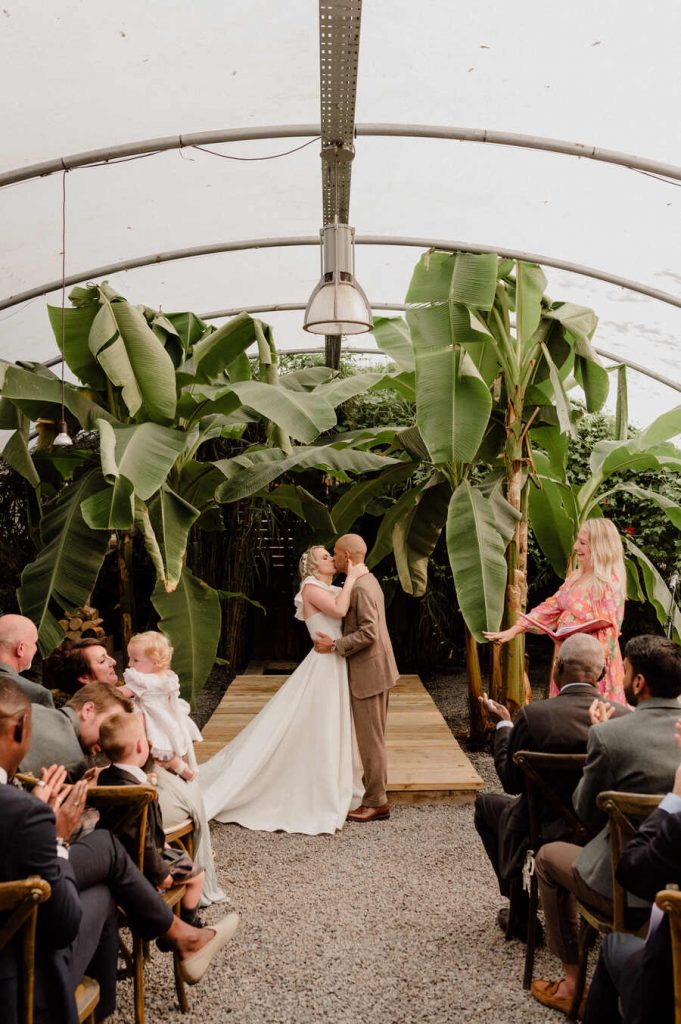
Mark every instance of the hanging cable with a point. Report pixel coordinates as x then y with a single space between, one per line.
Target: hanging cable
248 159
62 440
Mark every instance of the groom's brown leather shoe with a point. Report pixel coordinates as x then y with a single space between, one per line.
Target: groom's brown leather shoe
369 813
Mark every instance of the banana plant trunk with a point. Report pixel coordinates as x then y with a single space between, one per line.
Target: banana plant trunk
126 595
475 687
516 557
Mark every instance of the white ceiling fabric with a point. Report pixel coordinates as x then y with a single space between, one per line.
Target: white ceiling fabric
83 74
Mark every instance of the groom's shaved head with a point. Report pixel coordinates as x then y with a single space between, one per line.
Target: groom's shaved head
353 545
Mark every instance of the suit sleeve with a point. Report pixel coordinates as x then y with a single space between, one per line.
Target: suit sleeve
506 742
596 777
650 860
116 820
367 628
60 915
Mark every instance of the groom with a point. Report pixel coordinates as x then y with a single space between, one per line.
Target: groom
372 671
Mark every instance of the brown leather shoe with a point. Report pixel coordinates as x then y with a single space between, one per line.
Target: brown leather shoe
369 813
545 993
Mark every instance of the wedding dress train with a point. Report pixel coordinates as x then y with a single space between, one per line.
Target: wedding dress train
295 767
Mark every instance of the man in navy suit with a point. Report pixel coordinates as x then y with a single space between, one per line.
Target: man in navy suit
77 927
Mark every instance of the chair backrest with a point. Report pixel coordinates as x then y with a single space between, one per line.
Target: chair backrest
132 802
669 900
625 811
20 900
541 770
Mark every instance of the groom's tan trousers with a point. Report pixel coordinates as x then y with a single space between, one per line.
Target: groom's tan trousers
370 714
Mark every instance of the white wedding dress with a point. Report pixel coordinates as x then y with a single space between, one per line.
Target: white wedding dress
295 767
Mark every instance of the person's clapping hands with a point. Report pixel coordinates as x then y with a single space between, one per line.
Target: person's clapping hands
600 711
67 802
498 712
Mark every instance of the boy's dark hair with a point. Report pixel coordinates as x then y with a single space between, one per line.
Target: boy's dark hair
658 660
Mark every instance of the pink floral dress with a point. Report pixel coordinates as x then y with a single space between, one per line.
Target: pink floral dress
578 600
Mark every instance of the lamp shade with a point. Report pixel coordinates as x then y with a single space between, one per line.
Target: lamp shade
338 305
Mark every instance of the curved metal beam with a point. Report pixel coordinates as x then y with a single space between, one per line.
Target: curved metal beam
272 243
410 131
398 307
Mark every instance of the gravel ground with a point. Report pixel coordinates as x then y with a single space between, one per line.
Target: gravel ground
388 923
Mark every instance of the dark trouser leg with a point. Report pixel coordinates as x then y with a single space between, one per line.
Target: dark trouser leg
488 810
610 979
100 858
370 714
94 951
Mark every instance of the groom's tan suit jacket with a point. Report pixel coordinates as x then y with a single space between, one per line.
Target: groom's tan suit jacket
366 643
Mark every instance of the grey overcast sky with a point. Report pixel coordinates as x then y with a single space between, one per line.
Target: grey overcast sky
80 74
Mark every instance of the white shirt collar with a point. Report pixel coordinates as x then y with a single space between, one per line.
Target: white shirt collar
3 777
132 769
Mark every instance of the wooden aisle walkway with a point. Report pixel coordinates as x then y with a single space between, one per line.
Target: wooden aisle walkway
425 763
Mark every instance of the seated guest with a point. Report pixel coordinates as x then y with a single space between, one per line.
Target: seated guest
78 662
77 926
635 753
18 644
178 798
71 734
634 973
123 740
559 726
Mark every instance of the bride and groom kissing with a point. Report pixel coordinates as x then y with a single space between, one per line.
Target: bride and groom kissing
315 755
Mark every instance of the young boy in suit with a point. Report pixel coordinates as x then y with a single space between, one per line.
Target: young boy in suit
123 740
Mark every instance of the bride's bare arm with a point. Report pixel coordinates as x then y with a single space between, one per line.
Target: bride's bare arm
335 606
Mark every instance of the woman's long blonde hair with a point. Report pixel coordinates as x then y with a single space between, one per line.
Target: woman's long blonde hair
607 554
307 565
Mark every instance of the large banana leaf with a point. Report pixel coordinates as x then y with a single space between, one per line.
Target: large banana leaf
66 568
506 516
249 473
305 506
665 427
112 508
37 393
171 518
553 517
416 533
529 289
560 398
218 350
393 337
133 358
306 378
144 454
303 415
657 591
670 508
622 407
579 323
197 482
476 555
16 453
75 346
190 617
461 277
343 388
383 545
355 499
453 402
555 444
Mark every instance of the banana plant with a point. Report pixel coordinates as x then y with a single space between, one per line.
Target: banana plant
155 387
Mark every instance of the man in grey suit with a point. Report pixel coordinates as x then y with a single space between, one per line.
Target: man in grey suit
635 753
18 644
372 672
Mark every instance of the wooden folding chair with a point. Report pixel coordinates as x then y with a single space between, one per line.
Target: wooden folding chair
541 771
669 900
625 811
182 836
134 802
21 900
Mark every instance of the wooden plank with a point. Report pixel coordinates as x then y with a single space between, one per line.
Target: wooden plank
425 763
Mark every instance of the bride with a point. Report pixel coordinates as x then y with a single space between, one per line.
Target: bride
295 766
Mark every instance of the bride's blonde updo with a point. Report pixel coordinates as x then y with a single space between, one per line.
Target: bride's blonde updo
307 566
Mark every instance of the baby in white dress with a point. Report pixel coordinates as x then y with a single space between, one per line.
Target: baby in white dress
155 686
